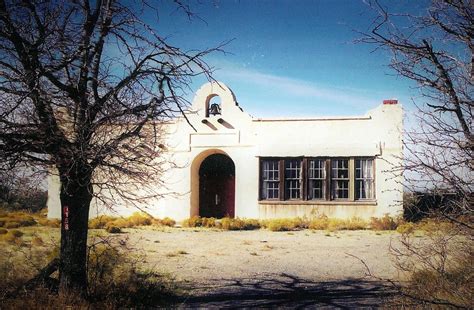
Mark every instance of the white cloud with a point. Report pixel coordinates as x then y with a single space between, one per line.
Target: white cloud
298 88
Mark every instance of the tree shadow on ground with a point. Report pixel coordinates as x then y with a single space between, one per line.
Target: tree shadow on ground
286 290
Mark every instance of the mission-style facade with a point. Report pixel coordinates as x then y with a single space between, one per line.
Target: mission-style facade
232 164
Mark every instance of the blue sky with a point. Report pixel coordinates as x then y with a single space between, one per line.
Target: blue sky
291 58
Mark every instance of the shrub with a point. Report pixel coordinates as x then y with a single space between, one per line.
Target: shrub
17 219
195 221
12 224
167 222
319 223
208 222
120 223
384 223
101 221
139 219
13 237
453 286
113 229
115 278
406 228
239 224
251 224
55 223
356 223
285 224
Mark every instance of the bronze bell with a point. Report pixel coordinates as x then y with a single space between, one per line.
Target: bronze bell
215 109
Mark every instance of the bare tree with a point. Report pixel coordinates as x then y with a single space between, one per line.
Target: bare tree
84 86
435 49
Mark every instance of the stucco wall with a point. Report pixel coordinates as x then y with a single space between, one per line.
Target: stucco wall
245 139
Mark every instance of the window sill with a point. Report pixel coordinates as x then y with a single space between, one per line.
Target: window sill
319 202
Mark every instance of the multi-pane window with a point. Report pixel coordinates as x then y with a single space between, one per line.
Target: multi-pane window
364 179
340 178
301 178
270 179
293 178
316 179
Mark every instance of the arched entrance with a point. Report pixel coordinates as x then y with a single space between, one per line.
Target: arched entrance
217 186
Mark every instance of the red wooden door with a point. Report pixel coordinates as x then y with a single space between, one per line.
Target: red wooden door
217 187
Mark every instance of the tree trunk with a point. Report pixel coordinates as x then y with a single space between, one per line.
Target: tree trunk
76 195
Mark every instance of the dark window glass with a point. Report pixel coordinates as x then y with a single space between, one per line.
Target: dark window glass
270 179
340 178
364 179
293 180
316 179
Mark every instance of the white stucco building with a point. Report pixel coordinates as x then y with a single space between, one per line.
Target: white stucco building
235 165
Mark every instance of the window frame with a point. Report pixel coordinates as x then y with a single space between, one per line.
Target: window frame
358 179
305 180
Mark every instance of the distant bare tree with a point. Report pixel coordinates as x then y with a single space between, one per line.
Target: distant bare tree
436 50
84 87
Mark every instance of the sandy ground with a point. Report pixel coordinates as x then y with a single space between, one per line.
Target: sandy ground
263 268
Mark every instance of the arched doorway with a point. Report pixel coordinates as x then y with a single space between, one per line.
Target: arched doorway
217 186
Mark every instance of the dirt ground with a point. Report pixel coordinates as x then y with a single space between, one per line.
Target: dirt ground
263 268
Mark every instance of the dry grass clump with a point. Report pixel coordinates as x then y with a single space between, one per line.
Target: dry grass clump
167 222
406 228
101 221
37 241
12 237
384 223
225 223
194 221
439 265
453 289
238 224
116 281
332 224
285 224
137 219
54 223
113 229
208 222
16 219
427 225
3 231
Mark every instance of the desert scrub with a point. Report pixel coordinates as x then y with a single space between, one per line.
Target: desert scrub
427 225
116 280
135 220
208 222
354 223
194 221
167 222
319 223
101 221
16 219
384 223
139 219
406 228
12 237
285 224
238 224
37 241
54 223
113 229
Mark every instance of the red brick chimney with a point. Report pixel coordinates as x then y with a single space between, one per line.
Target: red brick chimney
390 101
